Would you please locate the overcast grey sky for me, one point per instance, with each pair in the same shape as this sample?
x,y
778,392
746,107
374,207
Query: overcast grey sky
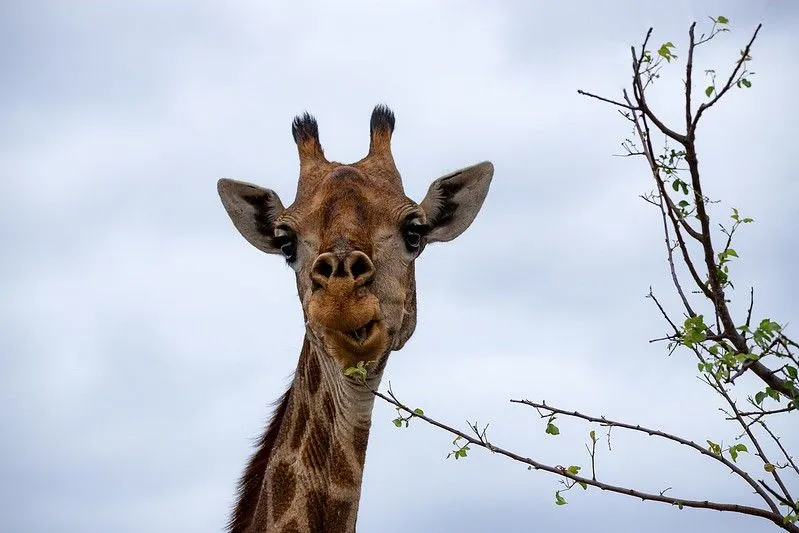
x,y
142,340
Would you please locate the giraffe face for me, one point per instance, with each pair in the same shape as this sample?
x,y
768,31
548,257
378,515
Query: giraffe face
x,y
352,237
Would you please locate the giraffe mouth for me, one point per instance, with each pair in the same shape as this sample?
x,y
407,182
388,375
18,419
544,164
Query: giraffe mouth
x,y
363,333
364,342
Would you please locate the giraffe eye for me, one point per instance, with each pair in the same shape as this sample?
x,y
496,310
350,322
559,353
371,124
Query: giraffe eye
x,y
286,241
412,234
412,239
289,250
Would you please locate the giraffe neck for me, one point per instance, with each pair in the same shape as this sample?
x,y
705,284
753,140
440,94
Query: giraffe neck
x,y
311,481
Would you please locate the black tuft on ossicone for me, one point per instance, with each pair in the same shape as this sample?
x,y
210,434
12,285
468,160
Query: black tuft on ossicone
x,y
382,119
304,128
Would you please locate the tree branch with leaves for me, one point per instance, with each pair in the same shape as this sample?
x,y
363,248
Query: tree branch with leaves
x,y
726,346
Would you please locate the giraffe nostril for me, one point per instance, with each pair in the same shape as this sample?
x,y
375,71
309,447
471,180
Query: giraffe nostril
x,y
355,266
324,269
361,266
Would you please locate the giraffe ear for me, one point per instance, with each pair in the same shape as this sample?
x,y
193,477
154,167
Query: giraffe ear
x,y
253,211
453,201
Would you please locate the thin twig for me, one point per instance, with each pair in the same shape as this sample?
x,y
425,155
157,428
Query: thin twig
x,y
719,387
751,305
766,412
781,447
728,85
774,517
670,256
653,433
689,69
607,100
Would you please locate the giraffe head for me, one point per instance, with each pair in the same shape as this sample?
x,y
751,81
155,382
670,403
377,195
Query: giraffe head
x,y
352,237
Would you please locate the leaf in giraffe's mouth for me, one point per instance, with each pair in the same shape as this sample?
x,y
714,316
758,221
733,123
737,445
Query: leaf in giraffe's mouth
x,y
362,333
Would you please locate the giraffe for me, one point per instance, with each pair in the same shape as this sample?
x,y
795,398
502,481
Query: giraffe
x,y
352,237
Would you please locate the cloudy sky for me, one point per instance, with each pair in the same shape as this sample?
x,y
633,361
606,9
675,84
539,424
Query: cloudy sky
x,y
142,340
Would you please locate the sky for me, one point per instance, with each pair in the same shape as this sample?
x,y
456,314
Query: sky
x,y
143,341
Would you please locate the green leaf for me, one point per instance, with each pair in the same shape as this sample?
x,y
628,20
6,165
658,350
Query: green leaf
x,y
694,330
560,500
573,470
713,447
709,90
773,394
759,397
679,506
768,467
665,51
418,411
397,422
722,20
746,83
675,185
583,484
732,252
791,370
552,429
592,434
358,370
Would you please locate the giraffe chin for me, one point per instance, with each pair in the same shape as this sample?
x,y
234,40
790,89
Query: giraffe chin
x,y
365,343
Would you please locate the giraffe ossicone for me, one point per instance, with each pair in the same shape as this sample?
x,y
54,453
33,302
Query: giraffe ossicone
x,y
352,237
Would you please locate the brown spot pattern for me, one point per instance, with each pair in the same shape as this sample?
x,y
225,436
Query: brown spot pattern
x,y
315,510
328,408
284,484
326,515
360,439
300,422
261,517
291,527
338,512
340,470
316,453
313,373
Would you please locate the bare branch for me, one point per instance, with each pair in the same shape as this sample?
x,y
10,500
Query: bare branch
x,y
774,517
781,499
781,447
655,433
751,305
670,257
719,387
689,69
663,312
639,89
608,100
727,86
